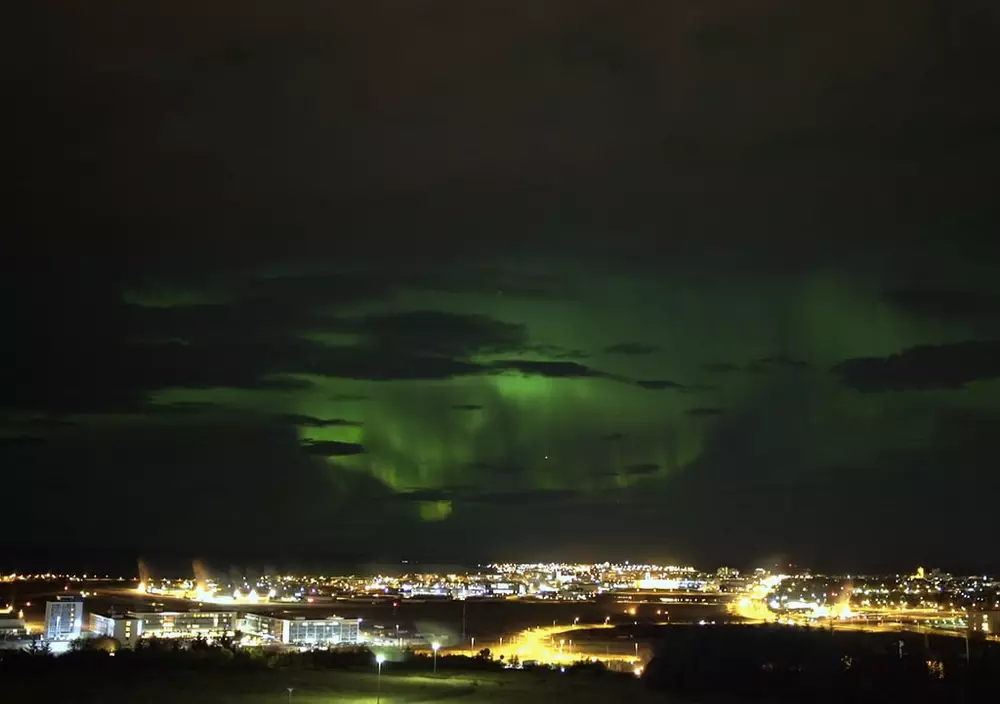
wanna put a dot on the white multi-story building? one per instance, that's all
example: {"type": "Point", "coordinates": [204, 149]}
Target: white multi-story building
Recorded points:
{"type": "Point", "coordinates": [63, 619]}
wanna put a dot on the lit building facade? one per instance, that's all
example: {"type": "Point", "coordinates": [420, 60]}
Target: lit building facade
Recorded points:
{"type": "Point", "coordinates": [985, 622]}
{"type": "Point", "coordinates": [187, 624]}
{"type": "Point", "coordinates": [327, 631]}
{"type": "Point", "coordinates": [128, 630]}
{"type": "Point", "coordinates": [268, 628]}
{"type": "Point", "coordinates": [63, 619]}
{"type": "Point", "coordinates": [216, 624]}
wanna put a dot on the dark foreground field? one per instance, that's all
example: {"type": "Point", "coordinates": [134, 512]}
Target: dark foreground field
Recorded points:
{"type": "Point", "coordinates": [331, 688]}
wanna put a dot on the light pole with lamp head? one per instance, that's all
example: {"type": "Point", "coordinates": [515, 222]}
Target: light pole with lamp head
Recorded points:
{"type": "Point", "coordinates": [435, 646]}
{"type": "Point", "coordinates": [379, 659]}
{"type": "Point", "coordinates": [290, 690]}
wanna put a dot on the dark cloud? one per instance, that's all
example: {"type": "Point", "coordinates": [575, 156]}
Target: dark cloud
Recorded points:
{"type": "Point", "coordinates": [555, 352]}
{"type": "Point", "coordinates": [784, 362]}
{"type": "Point", "coordinates": [642, 468]}
{"type": "Point", "coordinates": [720, 367]}
{"type": "Point", "coordinates": [631, 348]}
{"type": "Point", "coordinates": [705, 411]}
{"type": "Point", "coordinates": [430, 332]}
{"type": "Point", "coordinates": [311, 422]}
{"type": "Point", "coordinates": [944, 303]}
{"type": "Point", "coordinates": [657, 384]}
{"type": "Point", "coordinates": [182, 407]}
{"type": "Point", "coordinates": [950, 366]}
{"type": "Point", "coordinates": [383, 364]}
{"type": "Point", "coordinates": [332, 448]}
{"type": "Point", "coordinates": [466, 407]}
{"type": "Point", "coordinates": [568, 370]}
{"type": "Point", "coordinates": [427, 495]}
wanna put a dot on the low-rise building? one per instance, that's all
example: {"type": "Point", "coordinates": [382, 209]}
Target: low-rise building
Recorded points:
{"type": "Point", "coordinates": [186, 624]}
{"type": "Point", "coordinates": [327, 631]}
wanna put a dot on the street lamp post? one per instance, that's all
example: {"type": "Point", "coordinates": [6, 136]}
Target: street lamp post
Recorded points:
{"type": "Point", "coordinates": [473, 642]}
{"type": "Point", "coordinates": [290, 690]}
{"type": "Point", "coordinates": [379, 659]}
{"type": "Point", "coordinates": [435, 646]}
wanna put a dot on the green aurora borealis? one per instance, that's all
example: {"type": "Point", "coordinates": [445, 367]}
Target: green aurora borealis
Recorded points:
{"type": "Point", "coordinates": [749, 409]}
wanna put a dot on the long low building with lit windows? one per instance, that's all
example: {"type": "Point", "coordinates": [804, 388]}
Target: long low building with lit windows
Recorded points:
{"type": "Point", "coordinates": [218, 624]}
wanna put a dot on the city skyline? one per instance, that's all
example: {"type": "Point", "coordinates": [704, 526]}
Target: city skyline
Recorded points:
{"type": "Point", "coordinates": [457, 282]}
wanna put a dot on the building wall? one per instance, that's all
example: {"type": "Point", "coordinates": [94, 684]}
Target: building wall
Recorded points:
{"type": "Point", "coordinates": [180, 624]}
{"type": "Point", "coordinates": [63, 620]}
{"type": "Point", "coordinates": [324, 631]}
{"type": "Point", "coordinates": [128, 631]}
{"type": "Point", "coordinates": [100, 625]}
{"type": "Point", "coordinates": [266, 627]}
{"type": "Point", "coordinates": [12, 628]}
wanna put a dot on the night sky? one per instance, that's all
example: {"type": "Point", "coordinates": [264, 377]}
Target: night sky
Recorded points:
{"type": "Point", "coordinates": [333, 282]}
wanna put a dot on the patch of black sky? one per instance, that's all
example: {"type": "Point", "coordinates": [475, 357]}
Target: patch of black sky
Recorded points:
{"type": "Point", "coordinates": [631, 348]}
{"type": "Point", "coordinates": [219, 466]}
{"type": "Point", "coordinates": [259, 365]}
{"type": "Point", "coordinates": [256, 308]}
{"type": "Point", "coordinates": [333, 448]}
{"type": "Point", "coordinates": [924, 367]}
{"type": "Point", "coordinates": [19, 441]}
{"type": "Point", "coordinates": [944, 303]}
{"type": "Point", "coordinates": [705, 411]}
{"type": "Point", "coordinates": [313, 422]}
{"type": "Point", "coordinates": [472, 277]}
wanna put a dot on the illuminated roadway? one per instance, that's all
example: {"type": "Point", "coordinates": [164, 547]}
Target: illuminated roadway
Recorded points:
{"type": "Point", "coordinates": [544, 644]}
